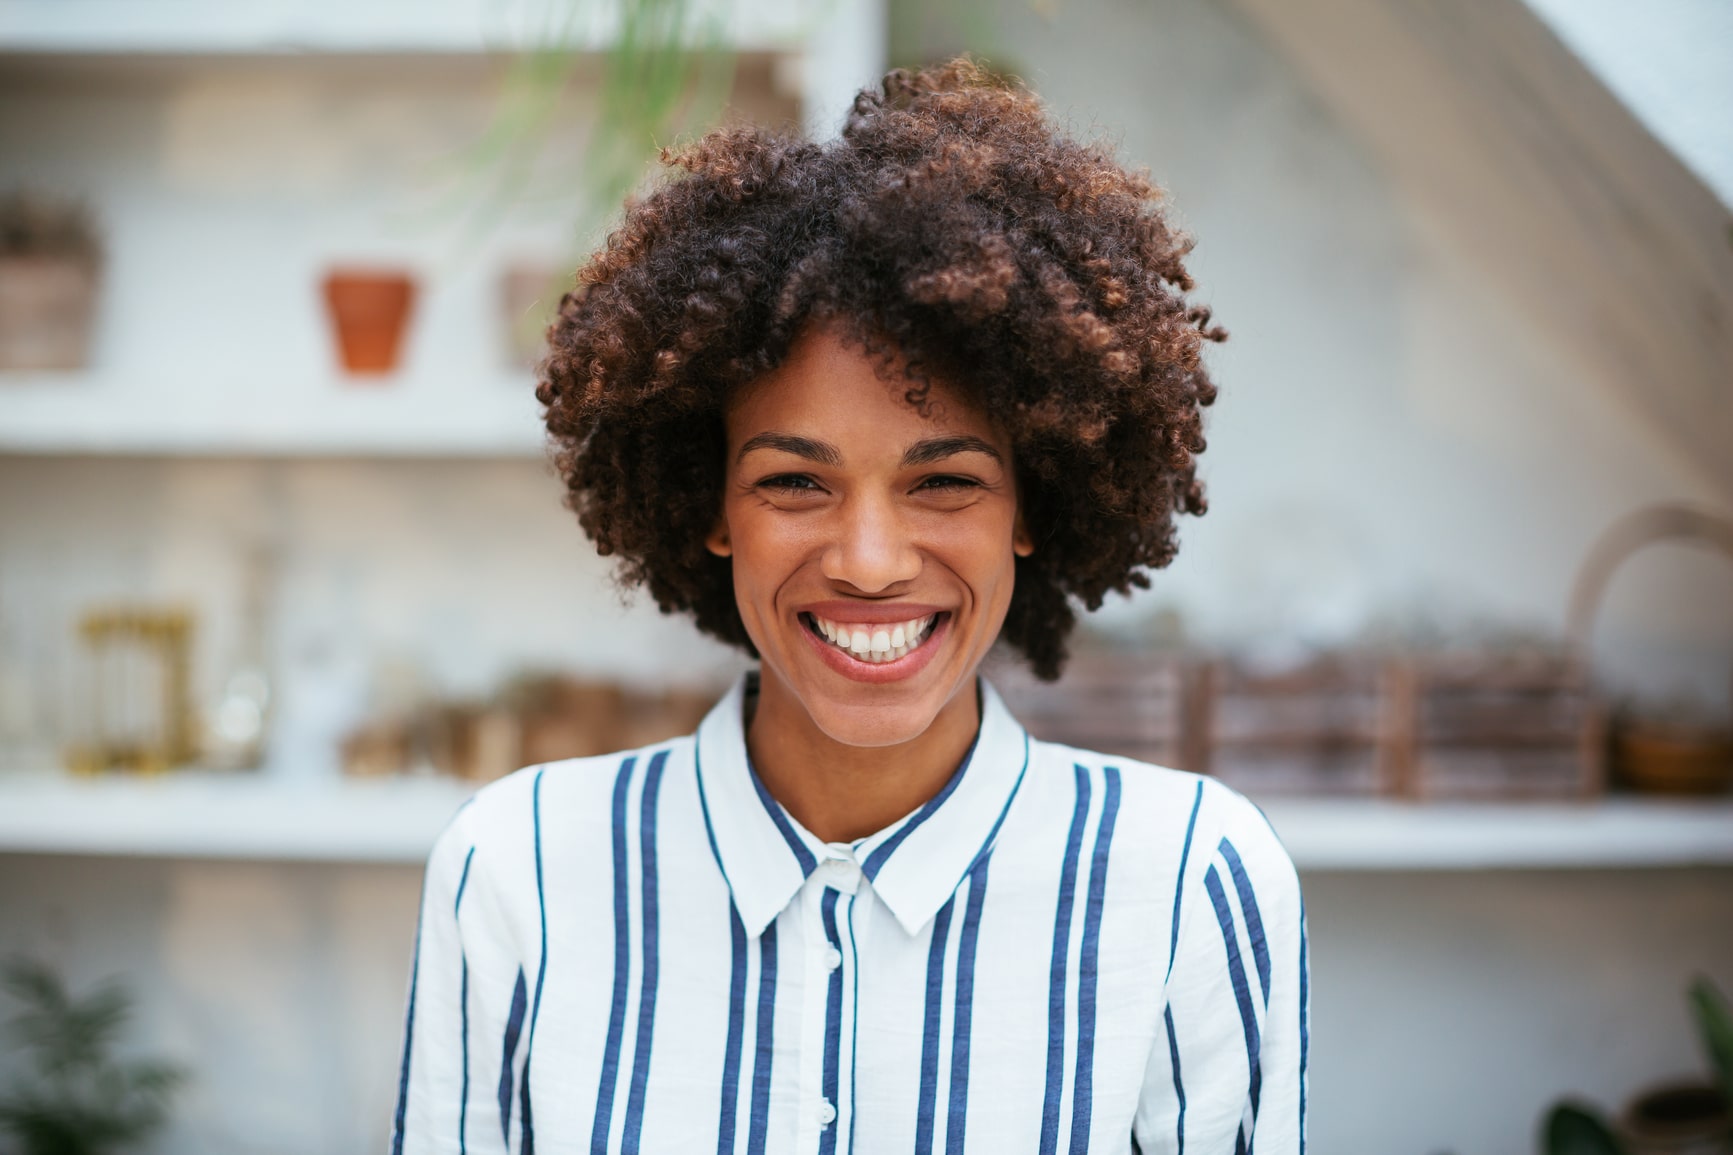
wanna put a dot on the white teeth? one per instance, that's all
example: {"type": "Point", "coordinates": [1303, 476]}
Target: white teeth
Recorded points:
{"type": "Point", "coordinates": [875, 644]}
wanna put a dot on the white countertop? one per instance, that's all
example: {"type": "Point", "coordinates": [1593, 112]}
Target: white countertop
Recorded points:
{"type": "Point", "coordinates": [196, 815]}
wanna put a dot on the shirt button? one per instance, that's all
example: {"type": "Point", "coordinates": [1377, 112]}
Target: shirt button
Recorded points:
{"type": "Point", "coordinates": [842, 874]}
{"type": "Point", "coordinates": [832, 959]}
{"type": "Point", "coordinates": [826, 1113]}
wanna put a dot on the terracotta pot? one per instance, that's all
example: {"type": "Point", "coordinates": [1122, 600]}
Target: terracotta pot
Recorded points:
{"type": "Point", "coordinates": [370, 310]}
{"type": "Point", "coordinates": [529, 296]}
{"type": "Point", "coordinates": [47, 305]}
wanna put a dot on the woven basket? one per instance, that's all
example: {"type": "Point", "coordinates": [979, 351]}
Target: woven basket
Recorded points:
{"type": "Point", "coordinates": [1650, 756]}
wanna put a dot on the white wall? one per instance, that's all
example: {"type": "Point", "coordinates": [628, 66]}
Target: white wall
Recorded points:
{"type": "Point", "coordinates": [1397, 443]}
{"type": "Point", "coordinates": [279, 989]}
{"type": "Point", "coordinates": [1394, 443]}
{"type": "Point", "coordinates": [1447, 1009]}
{"type": "Point", "coordinates": [1671, 62]}
{"type": "Point", "coordinates": [1450, 1010]}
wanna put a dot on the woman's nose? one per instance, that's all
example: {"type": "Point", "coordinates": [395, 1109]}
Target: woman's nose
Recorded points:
{"type": "Point", "coordinates": [871, 549]}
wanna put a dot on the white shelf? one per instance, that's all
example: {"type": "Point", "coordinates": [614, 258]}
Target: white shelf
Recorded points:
{"type": "Point", "coordinates": [1375, 834]}
{"type": "Point", "coordinates": [401, 416]}
{"type": "Point", "coordinates": [248, 817]}
{"type": "Point", "coordinates": [227, 817]}
{"type": "Point", "coordinates": [341, 26]}
{"type": "Point", "coordinates": [836, 45]}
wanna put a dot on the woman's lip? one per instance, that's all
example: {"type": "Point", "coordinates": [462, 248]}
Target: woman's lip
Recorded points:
{"type": "Point", "coordinates": [869, 613]}
{"type": "Point", "coordinates": [906, 666]}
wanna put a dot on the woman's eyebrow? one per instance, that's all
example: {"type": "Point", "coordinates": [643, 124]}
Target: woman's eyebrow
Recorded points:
{"type": "Point", "coordinates": [822, 452]}
{"type": "Point", "coordinates": [938, 448]}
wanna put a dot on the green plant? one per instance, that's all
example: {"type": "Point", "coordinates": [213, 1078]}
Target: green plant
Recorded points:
{"type": "Point", "coordinates": [76, 1097]}
{"type": "Point", "coordinates": [665, 70]}
{"type": "Point", "coordinates": [1715, 1026]}
{"type": "Point", "coordinates": [1579, 1129]}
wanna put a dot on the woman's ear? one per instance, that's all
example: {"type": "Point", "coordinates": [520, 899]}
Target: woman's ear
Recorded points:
{"type": "Point", "coordinates": [1021, 543]}
{"type": "Point", "coordinates": [717, 540]}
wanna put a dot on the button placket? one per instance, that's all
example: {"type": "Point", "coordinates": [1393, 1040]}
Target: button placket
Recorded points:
{"type": "Point", "coordinates": [819, 907]}
{"type": "Point", "coordinates": [829, 1110]}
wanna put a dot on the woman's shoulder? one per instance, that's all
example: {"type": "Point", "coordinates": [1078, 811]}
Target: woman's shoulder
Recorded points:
{"type": "Point", "coordinates": [1142, 784]}
{"type": "Point", "coordinates": [1159, 802]}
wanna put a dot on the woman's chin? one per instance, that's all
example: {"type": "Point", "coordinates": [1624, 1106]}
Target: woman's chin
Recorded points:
{"type": "Point", "coordinates": [875, 724]}
{"type": "Point", "coordinates": [881, 714]}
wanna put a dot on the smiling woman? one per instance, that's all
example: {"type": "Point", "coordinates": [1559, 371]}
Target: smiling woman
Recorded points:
{"type": "Point", "coordinates": [864, 409]}
{"type": "Point", "coordinates": [872, 546]}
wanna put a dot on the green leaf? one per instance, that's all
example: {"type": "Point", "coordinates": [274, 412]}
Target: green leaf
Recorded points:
{"type": "Point", "coordinates": [74, 1097]}
{"type": "Point", "coordinates": [665, 71]}
{"type": "Point", "coordinates": [1572, 1129]}
{"type": "Point", "coordinates": [67, 1035]}
{"type": "Point", "coordinates": [1715, 1027]}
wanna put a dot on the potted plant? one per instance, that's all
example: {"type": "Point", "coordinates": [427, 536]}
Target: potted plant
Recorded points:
{"type": "Point", "coordinates": [666, 70]}
{"type": "Point", "coordinates": [1679, 1119]}
{"type": "Point", "coordinates": [74, 1097]}
{"type": "Point", "coordinates": [529, 296]}
{"type": "Point", "coordinates": [50, 257]}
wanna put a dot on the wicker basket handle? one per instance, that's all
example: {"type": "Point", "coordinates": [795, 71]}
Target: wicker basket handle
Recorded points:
{"type": "Point", "coordinates": [1627, 536]}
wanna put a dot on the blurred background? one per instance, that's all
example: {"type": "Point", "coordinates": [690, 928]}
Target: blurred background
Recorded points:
{"type": "Point", "coordinates": [284, 573]}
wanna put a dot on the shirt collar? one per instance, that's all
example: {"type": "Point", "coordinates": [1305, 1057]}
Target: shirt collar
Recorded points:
{"type": "Point", "coordinates": [913, 865]}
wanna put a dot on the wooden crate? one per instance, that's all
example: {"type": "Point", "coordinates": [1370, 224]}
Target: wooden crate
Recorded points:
{"type": "Point", "coordinates": [1316, 728]}
{"type": "Point", "coordinates": [1134, 705]}
{"type": "Point", "coordinates": [1478, 725]}
{"type": "Point", "coordinates": [1451, 726]}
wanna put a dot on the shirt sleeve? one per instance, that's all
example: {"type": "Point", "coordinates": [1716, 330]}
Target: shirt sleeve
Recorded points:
{"type": "Point", "coordinates": [444, 1102]}
{"type": "Point", "coordinates": [1227, 1075]}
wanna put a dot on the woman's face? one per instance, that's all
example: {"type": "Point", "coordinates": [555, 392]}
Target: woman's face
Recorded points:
{"type": "Point", "coordinates": [873, 548]}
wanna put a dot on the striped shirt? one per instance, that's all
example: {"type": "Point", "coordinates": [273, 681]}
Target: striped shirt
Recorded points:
{"type": "Point", "coordinates": [1060, 952]}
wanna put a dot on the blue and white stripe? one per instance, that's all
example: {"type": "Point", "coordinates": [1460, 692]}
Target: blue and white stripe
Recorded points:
{"type": "Point", "coordinates": [1060, 952]}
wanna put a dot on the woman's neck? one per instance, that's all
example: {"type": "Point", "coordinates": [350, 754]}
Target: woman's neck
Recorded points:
{"type": "Point", "coordinates": [841, 792]}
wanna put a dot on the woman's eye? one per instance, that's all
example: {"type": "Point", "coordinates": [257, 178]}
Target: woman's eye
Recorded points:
{"type": "Point", "coordinates": [789, 483]}
{"type": "Point", "coordinates": [948, 481]}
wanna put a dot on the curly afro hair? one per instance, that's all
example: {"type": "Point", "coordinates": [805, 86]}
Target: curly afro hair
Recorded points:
{"type": "Point", "coordinates": [952, 230]}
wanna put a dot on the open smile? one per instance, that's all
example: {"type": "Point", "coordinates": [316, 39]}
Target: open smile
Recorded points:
{"type": "Point", "coordinates": [873, 642]}
{"type": "Point", "coordinates": [876, 651]}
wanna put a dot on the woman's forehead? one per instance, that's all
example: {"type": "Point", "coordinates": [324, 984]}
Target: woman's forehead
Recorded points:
{"type": "Point", "coordinates": [830, 379]}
